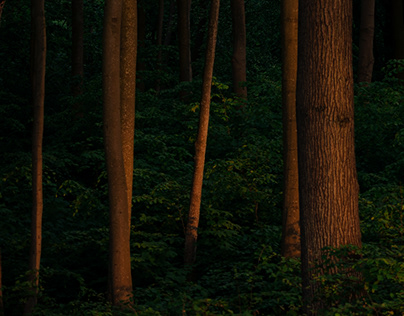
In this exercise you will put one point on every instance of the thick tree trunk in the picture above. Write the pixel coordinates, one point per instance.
(325, 120)
(77, 53)
(184, 37)
(38, 91)
(191, 234)
(291, 216)
(239, 59)
(367, 30)
(120, 266)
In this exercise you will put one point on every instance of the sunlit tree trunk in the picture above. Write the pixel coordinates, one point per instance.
(191, 234)
(325, 120)
(239, 59)
(38, 91)
(367, 29)
(77, 53)
(291, 216)
(120, 266)
(184, 37)
(128, 91)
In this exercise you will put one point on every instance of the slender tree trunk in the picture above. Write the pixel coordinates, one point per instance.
(184, 36)
(120, 266)
(397, 7)
(167, 38)
(141, 36)
(291, 217)
(77, 53)
(38, 91)
(239, 59)
(159, 40)
(191, 234)
(325, 120)
(128, 91)
(2, 3)
(367, 29)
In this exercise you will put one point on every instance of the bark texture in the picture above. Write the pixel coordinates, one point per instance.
(239, 59)
(325, 119)
(120, 267)
(191, 234)
(291, 216)
(38, 67)
(367, 30)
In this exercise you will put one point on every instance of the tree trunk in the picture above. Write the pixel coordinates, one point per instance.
(325, 120)
(120, 266)
(291, 217)
(38, 91)
(77, 53)
(191, 234)
(397, 7)
(159, 40)
(128, 91)
(184, 37)
(141, 36)
(239, 58)
(367, 29)
(2, 3)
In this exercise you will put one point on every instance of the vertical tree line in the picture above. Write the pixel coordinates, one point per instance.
(38, 66)
(328, 182)
(320, 190)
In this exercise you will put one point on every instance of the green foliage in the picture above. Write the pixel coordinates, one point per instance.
(239, 270)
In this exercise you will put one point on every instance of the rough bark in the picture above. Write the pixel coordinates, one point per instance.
(239, 59)
(184, 39)
(325, 120)
(291, 217)
(191, 234)
(367, 29)
(120, 267)
(38, 92)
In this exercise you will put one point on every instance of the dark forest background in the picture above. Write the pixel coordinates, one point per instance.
(240, 269)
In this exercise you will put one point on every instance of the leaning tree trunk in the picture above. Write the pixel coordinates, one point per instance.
(239, 59)
(38, 91)
(325, 120)
(120, 265)
(191, 234)
(291, 216)
(367, 30)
